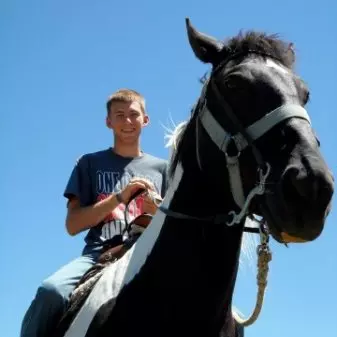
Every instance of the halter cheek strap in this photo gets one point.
(222, 138)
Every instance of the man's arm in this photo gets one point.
(82, 218)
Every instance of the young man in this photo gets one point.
(98, 188)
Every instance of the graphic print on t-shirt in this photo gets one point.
(108, 182)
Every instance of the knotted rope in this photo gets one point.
(264, 257)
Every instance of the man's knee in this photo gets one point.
(47, 306)
(52, 292)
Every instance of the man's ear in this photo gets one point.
(205, 48)
(146, 120)
(108, 122)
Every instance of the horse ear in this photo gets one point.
(205, 47)
(291, 53)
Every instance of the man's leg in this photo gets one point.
(51, 297)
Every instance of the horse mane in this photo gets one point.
(173, 137)
(260, 42)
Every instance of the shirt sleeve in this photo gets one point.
(79, 184)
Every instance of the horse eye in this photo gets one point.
(235, 83)
(317, 139)
(307, 97)
(230, 85)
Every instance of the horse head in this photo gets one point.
(252, 129)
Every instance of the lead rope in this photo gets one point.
(264, 257)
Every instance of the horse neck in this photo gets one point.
(214, 248)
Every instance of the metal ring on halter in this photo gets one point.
(232, 159)
(225, 147)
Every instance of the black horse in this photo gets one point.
(248, 148)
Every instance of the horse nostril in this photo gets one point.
(298, 184)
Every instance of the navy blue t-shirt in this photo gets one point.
(97, 175)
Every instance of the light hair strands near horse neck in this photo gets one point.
(263, 252)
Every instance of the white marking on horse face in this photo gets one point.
(120, 273)
(286, 84)
(272, 64)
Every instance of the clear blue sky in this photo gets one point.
(61, 59)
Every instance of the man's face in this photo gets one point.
(126, 119)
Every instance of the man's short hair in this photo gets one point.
(126, 95)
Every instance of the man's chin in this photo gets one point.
(131, 138)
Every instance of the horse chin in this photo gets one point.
(298, 228)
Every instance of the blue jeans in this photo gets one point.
(51, 297)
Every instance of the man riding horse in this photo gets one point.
(100, 185)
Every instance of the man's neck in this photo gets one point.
(127, 150)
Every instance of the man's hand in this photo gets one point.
(149, 205)
(135, 185)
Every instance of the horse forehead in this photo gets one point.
(257, 67)
(273, 72)
(268, 64)
(272, 64)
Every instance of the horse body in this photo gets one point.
(178, 279)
